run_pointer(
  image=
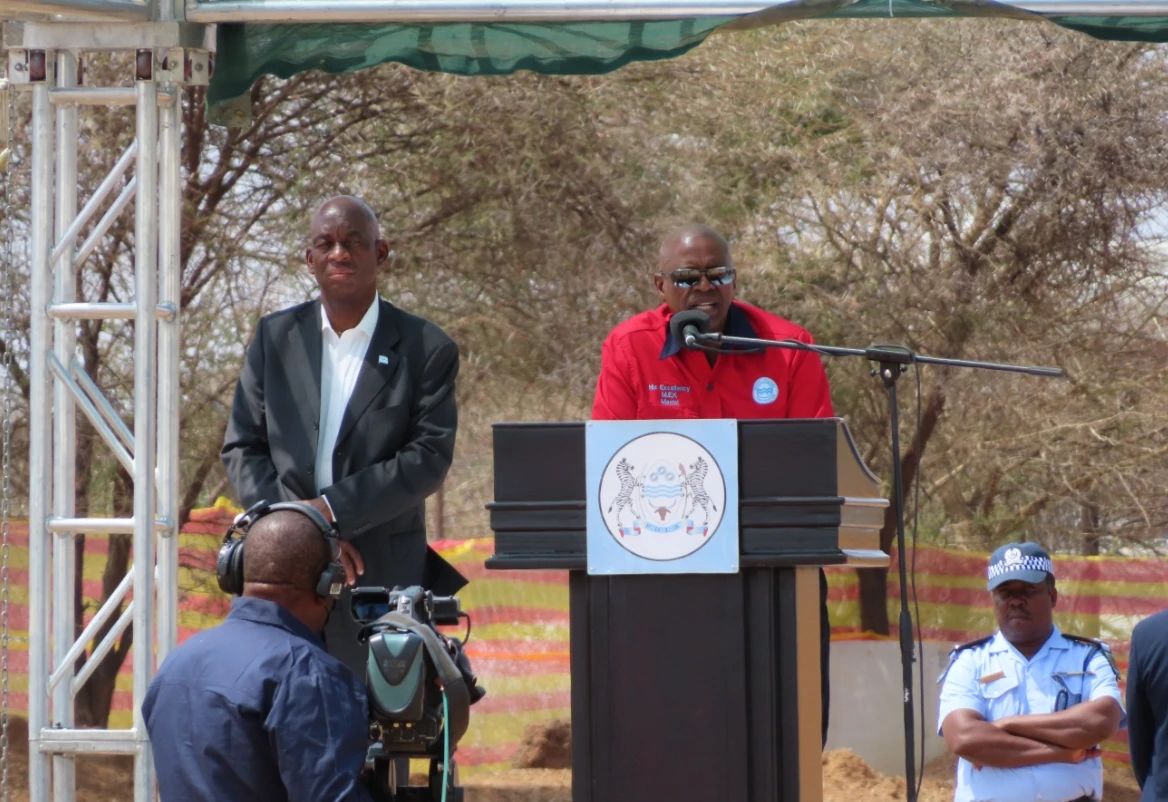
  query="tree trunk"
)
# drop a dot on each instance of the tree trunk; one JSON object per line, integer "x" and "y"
{"x": 874, "y": 600}
{"x": 873, "y": 582}
{"x": 1091, "y": 523}
{"x": 206, "y": 465}
{"x": 93, "y": 702}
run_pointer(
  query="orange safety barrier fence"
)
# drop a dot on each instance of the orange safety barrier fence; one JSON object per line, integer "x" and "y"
{"x": 519, "y": 642}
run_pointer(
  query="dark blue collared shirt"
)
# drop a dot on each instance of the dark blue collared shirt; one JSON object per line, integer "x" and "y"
{"x": 255, "y": 709}
{"x": 737, "y": 325}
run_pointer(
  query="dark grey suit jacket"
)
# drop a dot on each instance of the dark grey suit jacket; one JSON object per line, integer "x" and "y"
{"x": 1147, "y": 706}
{"x": 393, "y": 449}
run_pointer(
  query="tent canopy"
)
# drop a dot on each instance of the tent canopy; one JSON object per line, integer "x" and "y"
{"x": 496, "y": 37}
{"x": 520, "y": 41}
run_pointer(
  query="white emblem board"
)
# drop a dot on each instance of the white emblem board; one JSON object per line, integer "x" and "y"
{"x": 662, "y": 497}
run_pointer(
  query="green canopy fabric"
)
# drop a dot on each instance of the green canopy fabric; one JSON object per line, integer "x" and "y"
{"x": 247, "y": 51}
{"x": 1120, "y": 29}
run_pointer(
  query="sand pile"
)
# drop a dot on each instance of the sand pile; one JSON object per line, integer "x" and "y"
{"x": 846, "y": 778}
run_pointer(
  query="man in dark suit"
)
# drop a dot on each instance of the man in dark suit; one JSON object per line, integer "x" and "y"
{"x": 1147, "y": 706}
{"x": 347, "y": 403}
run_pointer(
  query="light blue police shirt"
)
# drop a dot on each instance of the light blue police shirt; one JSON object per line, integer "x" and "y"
{"x": 994, "y": 680}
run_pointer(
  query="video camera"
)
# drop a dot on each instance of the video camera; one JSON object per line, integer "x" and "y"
{"x": 419, "y": 682}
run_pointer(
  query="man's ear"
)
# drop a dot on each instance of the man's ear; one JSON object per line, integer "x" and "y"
{"x": 382, "y": 251}
{"x": 659, "y": 282}
{"x": 323, "y": 607}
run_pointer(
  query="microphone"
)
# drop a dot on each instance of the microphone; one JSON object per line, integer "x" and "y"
{"x": 686, "y": 326}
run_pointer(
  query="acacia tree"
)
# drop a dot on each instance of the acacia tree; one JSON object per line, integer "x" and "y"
{"x": 989, "y": 206}
{"x": 969, "y": 190}
{"x": 983, "y": 190}
{"x": 514, "y": 228}
{"x": 500, "y": 252}
{"x": 987, "y": 199}
{"x": 241, "y": 187}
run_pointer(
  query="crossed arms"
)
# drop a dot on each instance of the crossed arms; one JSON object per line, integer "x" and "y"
{"x": 1068, "y": 736}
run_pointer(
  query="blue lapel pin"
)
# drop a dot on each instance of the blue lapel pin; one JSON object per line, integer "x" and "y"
{"x": 382, "y": 359}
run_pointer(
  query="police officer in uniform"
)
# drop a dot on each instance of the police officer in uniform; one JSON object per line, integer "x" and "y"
{"x": 1026, "y": 708}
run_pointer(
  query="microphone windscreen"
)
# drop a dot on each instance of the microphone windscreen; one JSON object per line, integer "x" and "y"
{"x": 689, "y": 317}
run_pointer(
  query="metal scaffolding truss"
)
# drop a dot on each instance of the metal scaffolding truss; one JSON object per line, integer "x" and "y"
{"x": 214, "y": 11}
{"x": 42, "y": 60}
{"x": 580, "y": 10}
{"x": 44, "y": 40}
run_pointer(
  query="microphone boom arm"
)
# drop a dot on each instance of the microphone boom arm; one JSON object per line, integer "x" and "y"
{"x": 883, "y": 354}
{"x": 893, "y": 360}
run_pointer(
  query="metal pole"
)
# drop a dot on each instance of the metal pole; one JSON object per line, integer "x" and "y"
{"x": 104, "y": 10}
{"x": 40, "y": 437}
{"x": 64, "y": 424}
{"x": 889, "y": 373}
{"x": 108, "y": 184}
{"x": 145, "y": 417}
{"x": 423, "y": 11}
{"x": 169, "y": 289}
{"x": 506, "y": 11}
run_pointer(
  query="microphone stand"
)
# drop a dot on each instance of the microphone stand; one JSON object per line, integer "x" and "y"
{"x": 892, "y": 361}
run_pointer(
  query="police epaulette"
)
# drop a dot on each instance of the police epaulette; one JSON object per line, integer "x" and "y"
{"x": 971, "y": 645}
{"x": 1096, "y": 646}
{"x": 956, "y": 650}
{"x": 1084, "y": 639}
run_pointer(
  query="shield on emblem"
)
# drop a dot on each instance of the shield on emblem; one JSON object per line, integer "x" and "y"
{"x": 663, "y": 496}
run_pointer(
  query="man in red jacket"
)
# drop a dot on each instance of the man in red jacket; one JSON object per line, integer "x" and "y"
{"x": 645, "y": 373}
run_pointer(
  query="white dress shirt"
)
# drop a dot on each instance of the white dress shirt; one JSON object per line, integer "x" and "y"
{"x": 341, "y": 357}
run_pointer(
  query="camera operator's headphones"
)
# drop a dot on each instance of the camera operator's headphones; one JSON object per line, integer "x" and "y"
{"x": 229, "y": 563}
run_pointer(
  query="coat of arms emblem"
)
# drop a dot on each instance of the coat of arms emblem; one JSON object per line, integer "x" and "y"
{"x": 662, "y": 496}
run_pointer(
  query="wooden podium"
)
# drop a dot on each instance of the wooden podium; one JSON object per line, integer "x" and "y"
{"x": 697, "y": 687}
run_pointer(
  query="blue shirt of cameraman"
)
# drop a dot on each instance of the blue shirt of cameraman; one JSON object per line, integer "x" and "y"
{"x": 256, "y": 709}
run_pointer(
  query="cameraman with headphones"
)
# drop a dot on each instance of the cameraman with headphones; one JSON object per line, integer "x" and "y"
{"x": 255, "y": 708}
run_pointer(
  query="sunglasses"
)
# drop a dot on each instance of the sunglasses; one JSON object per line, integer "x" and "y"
{"x": 687, "y": 277}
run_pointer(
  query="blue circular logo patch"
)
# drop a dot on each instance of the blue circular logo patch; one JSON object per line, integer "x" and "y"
{"x": 765, "y": 391}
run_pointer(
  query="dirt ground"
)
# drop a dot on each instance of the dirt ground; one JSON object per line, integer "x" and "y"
{"x": 846, "y": 778}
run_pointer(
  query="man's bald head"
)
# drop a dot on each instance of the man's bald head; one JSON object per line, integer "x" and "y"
{"x": 350, "y": 207}
{"x": 682, "y": 239}
{"x": 284, "y": 549}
